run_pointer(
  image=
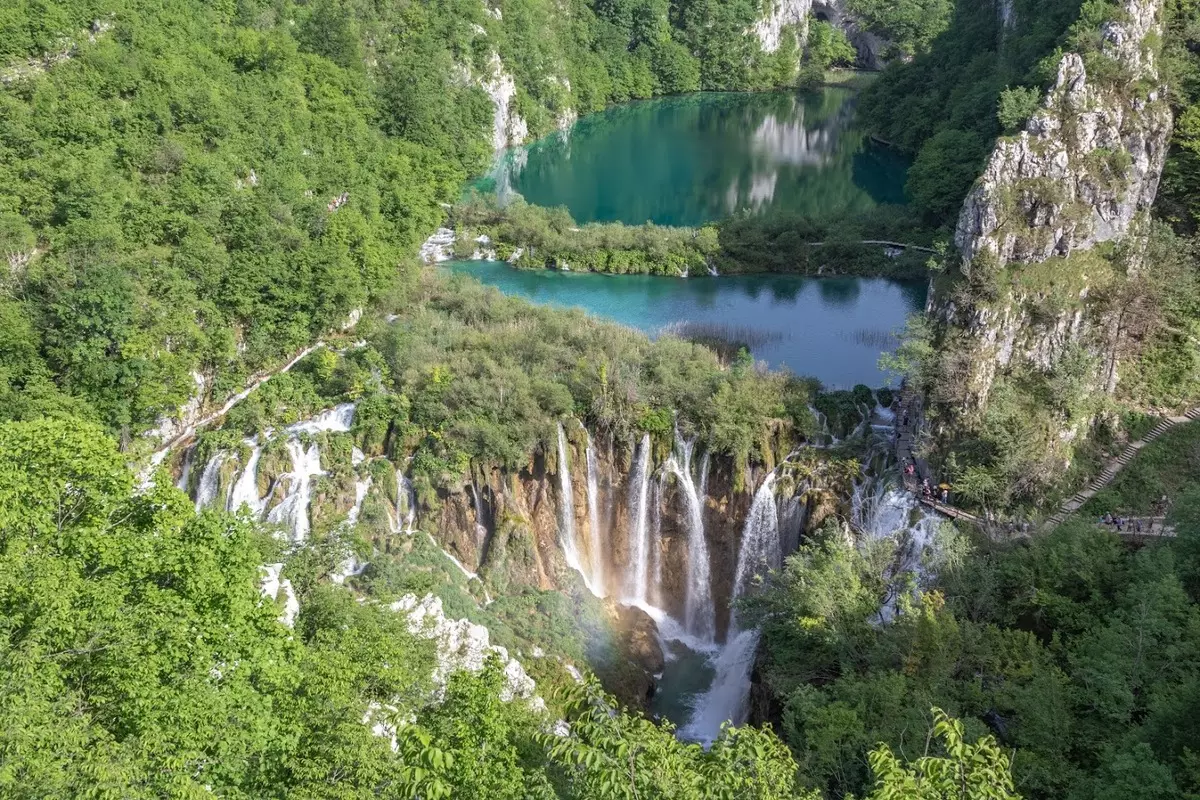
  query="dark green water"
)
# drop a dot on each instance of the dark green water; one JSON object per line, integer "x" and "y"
{"x": 830, "y": 328}
{"x": 697, "y": 158}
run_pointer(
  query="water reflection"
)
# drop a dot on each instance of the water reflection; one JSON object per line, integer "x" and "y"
{"x": 694, "y": 159}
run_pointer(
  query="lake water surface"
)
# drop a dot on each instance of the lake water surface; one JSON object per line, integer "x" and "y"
{"x": 831, "y": 328}
{"x": 698, "y": 158}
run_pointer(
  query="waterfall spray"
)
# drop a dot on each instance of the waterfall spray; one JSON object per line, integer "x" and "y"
{"x": 639, "y": 489}
{"x": 760, "y": 549}
{"x": 728, "y": 697}
{"x": 595, "y": 534}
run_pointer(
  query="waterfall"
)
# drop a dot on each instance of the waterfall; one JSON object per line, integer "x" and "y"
{"x": 699, "y": 612}
{"x": 727, "y": 697}
{"x": 760, "y": 548}
{"x": 406, "y": 505}
{"x": 185, "y": 474}
{"x": 360, "y": 494}
{"x": 884, "y": 514}
{"x": 639, "y": 488}
{"x": 210, "y": 481}
{"x": 566, "y": 528}
{"x": 293, "y": 510}
{"x": 596, "y": 536}
{"x": 656, "y": 538}
{"x": 335, "y": 420}
{"x": 245, "y": 490}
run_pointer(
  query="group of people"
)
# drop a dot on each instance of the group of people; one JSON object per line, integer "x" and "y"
{"x": 928, "y": 490}
{"x": 1120, "y": 523}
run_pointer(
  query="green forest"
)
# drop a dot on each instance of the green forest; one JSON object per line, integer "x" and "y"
{"x": 208, "y": 187}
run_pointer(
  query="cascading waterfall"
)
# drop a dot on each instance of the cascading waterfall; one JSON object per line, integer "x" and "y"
{"x": 639, "y": 482}
{"x": 335, "y": 420}
{"x": 210, "y": 481}
{"x": 656, "y": 538}
{"x": 760, "y": 550}
{"x": 245, "y": 490}
{"x": 361, "y": 487}
{"x": 293, "y": 510}
{"x": 727, "y": 697}
{"x": 886, "y": 513}
{"x": 699, "y": 612}
{"x": 406, "y": 505}
{"x": 566, "y": 527}
{"x": 596, "y": 535}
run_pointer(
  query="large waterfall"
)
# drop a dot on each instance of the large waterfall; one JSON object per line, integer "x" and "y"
{"x": 596, "y": 547}
{"x": 700, "y": 615}
{"x": 639, "y": 546}
{"x": 759, "y": 552}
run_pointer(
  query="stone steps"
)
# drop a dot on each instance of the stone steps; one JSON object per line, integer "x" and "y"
{"x": 1114, "y": 467}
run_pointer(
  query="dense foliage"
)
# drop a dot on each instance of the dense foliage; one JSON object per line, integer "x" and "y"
{"x": 1076, "y": 652}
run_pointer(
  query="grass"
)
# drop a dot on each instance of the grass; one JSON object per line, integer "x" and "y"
{"x": 1168, "y": 466}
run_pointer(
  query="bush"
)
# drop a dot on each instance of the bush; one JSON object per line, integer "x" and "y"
{"x": 1015, "y": 106}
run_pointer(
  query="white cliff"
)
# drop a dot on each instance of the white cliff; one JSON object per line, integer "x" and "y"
{"x": 1087, "y": 163}
{"x": 462, "y": 645}
{"x": 776, "y": 16}
{"x": 1083, "y": 171}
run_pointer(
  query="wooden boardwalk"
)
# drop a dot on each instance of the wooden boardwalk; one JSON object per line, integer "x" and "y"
{"x": 1152, "y": 528}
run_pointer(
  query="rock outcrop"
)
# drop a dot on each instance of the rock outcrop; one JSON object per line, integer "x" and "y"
{"x": 1087, "y": 164}
{"x": 777, "y": 16}
{"x": 1083, "y": 172}
{"x": 462, "y": 645}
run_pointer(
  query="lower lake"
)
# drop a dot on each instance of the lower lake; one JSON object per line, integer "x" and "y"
{"x": 830, "y": 328}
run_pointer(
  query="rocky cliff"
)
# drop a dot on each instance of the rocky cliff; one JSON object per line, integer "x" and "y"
{"x": 1056, "y": 221}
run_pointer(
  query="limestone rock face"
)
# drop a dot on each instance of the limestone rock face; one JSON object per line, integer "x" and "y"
{"x": 777, "y": 15}
{"x": 1086, "y": 164}
{"x": 462, "y": 645}
{"x": 1084, "y": 171}
{"x": 870, "y": 47}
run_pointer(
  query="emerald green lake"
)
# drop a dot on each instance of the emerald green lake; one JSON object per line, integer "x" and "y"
{"x": 831, "y": 328}
{"x": 698, "y": 158}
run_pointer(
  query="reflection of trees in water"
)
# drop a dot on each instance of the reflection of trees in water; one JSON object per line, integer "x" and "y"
{"x": 691, "y": 159}
{"x": 915, "y": 293}
{"x": 840, "y": 292}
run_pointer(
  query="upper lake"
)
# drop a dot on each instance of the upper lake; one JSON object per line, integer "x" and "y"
{"x": 697, "y": 158}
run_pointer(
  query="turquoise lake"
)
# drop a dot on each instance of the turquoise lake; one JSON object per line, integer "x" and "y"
{"x": 831, "y": 328}
{"x": 698, "y": 158}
